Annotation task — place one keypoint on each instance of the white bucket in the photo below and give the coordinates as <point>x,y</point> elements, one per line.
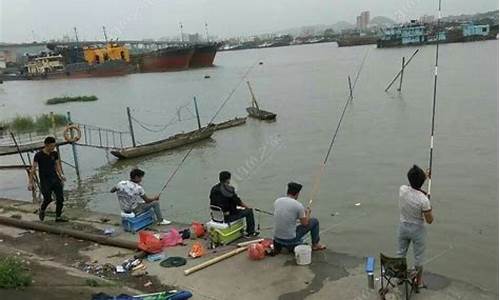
<point>303,254</point>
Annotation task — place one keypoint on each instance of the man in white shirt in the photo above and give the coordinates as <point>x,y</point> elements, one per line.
<point>132,197</point>
<point>287,211</point>
<point>415,209</point>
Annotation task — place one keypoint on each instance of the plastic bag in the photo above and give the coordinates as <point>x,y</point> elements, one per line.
<point>172,238</point>
<point>256,251</point>
<point>198,229</point>
<point>149,243</point>
<point>197,250</point>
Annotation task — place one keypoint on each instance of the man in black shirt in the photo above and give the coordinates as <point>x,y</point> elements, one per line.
<point>224,196</point>
<point>51,178</point>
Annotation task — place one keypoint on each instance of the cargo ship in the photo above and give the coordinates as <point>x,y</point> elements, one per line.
<point>163,60</point>
<point>356,40</point>
<point>204,55</point>
<point>78,62</point>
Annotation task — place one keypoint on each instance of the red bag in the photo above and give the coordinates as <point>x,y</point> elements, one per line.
<point>256,251</point>
<point>198,229</point>
<point>148,242</point>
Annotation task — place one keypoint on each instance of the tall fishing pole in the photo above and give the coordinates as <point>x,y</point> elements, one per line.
<point>315,189</point>
<point>431,148</point>
<point>211,120</point>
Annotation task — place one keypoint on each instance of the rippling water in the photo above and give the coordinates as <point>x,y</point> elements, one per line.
<point>382,135</point>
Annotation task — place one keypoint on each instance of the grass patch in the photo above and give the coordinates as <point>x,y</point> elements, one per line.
<point>40,123</point>
<point>13,274</point>
<point>59,100</point>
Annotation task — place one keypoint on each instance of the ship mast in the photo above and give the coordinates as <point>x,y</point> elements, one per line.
<point>76,35</point>
<point>105,35</point>
<point>182,34</point>
<point>206,32</point>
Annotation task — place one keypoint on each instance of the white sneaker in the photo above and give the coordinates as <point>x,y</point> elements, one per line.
<point>165,222</point>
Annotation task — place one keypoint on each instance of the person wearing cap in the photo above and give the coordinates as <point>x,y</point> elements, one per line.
<point>287,211</point>
<point>224,195</point>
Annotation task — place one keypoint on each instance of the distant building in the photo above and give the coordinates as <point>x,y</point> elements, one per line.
<point>427,19</point>
<point>363,20</point>
<point>194,38</point>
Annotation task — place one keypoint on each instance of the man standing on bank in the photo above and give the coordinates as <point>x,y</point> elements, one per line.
<point>51,176</point>
<point>287,211</point>
<point>224,196</point>
<point>415,208</point>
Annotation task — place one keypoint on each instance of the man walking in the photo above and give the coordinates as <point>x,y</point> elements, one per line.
<point>49,167</point>
<point>415,208</point>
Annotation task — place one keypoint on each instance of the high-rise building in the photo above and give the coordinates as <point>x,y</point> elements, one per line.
<point>363,20</point>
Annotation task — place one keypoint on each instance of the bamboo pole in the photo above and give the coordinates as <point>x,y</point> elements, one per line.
<point>254,101</point>
<point>104,240</point>
<point>249,242</point>
<point>400,71</point>
<point>214,260</point>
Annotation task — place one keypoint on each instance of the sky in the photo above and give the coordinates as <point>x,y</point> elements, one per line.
<point>25,20</point>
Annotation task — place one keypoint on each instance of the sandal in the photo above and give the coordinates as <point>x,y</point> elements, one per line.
<point>318,248</point>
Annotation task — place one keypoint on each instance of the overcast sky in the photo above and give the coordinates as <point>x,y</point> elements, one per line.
<point>20,20</point>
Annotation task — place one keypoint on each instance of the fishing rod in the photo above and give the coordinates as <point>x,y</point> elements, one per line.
<point>332,142</point>
<point>434,97</point>
<point>211,120</point>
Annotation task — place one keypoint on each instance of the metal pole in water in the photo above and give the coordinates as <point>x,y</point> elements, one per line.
<point>402,72</point>
<point>350,86</point>
<point>197,114</point>
<point>130,126</point>
<point>73,147</point>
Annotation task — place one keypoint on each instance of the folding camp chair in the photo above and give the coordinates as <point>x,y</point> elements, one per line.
<point>395,268</point>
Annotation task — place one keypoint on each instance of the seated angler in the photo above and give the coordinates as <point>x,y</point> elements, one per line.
<point>224,196</point>
<point>133,199</point>
<point>287,211</point>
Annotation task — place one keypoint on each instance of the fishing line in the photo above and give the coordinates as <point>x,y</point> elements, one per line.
<point>330,148</point>
<point>211,120</point>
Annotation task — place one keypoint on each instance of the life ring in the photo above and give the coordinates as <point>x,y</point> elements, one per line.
<point>68,130</point>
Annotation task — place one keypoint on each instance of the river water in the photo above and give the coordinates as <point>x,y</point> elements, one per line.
<point>381,136</point>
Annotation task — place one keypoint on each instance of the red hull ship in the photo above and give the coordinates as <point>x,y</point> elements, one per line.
<point>204,55</point>
<point>162,60</point>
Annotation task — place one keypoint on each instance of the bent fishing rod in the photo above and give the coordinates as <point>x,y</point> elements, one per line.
<point>332,142</point>
<point>434,97</point>
<point>210,122</point>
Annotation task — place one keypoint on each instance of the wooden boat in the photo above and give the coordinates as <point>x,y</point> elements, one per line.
<point>27,147</point>
<point>230,123</point>
<point>172,142</point>
<point>257,113</point>
<point>254,111</point>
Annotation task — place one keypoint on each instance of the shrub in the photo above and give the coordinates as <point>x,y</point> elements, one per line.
<point>12,273</point>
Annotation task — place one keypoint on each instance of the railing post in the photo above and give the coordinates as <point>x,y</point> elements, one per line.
<point>130,126</point>
<point>100,137</point>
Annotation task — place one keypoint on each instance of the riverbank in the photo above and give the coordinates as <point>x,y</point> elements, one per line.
<point>331,274</point>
